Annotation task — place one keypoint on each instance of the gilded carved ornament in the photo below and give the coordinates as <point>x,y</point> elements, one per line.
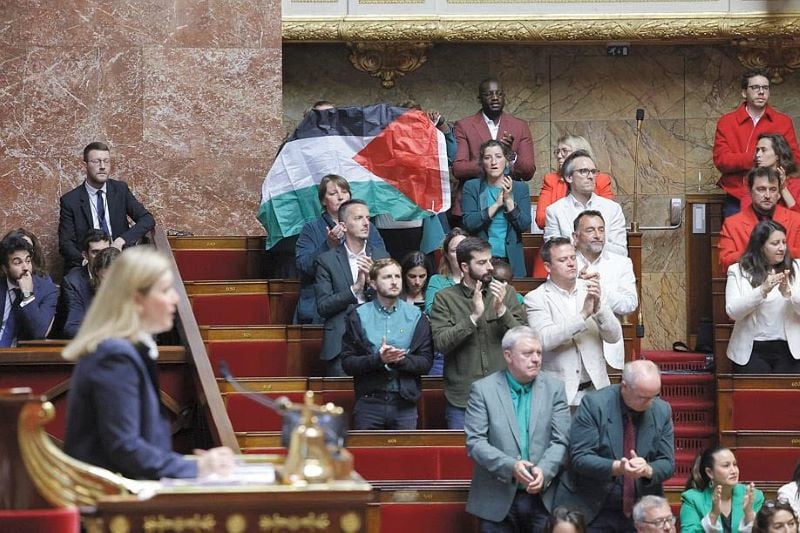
<point>674,28</point>
<point>388,60</point>
<point>778,56</point>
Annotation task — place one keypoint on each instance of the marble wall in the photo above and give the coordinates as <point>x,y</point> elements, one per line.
<point>186,92</point>
<point>558,89</point>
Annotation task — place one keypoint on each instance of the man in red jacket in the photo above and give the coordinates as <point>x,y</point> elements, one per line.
<point>737,134</point>
<point>765,193</point>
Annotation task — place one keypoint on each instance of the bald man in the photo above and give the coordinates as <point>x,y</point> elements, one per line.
<point>621,448</point>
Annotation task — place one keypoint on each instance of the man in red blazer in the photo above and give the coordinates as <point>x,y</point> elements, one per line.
<point>737,134</point>
<point>765,193</point>
<point>491,123</point>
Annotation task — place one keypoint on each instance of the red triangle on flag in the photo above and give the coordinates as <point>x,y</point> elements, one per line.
<point>406,156</point>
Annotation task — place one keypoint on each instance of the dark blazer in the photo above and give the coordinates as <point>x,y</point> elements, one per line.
<point>76,296</point>
<point>34,320</point>
<point>493,441</point>
<point>114,418</point>
<point>471,132</point>
<point>596,442</point>
<point>75,219</point>
<point>361,360</point>
<point>313,240</point>
<point>476,219</point>
<point>334,297</point>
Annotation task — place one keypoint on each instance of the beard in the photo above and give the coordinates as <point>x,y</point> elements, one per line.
<point>485,279</point>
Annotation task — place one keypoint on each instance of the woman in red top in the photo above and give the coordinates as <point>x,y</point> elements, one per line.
<point>772,151</point>
<point>554,187</point>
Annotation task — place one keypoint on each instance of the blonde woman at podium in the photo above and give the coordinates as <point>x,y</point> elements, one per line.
<point>114,417</point>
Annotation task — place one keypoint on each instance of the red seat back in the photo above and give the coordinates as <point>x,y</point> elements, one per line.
<point>247,415</point>
<point>211,264</point>
<point>251,358</point>
<point>61,520</point>
<point>231,309</point>
<point>438,517</point>
<point>765,409</point>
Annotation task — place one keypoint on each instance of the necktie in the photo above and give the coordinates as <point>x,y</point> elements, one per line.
<point>101,213</point>
<point>628,483</point>
<point>10,329</point>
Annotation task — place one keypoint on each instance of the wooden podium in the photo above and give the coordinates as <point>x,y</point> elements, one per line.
<point>335,507</point>
<point>37,474</point>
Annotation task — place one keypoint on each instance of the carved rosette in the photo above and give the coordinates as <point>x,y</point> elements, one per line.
<point>778,56</point>
<point>388,60</point>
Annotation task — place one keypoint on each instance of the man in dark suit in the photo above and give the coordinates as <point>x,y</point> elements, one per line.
<point>516,425</point>
<point>27,301</point>
<point>341,279</point>
<point>76,287</point>
<point>100,203</point>
<point>621,448</point>
<point>491,123</point>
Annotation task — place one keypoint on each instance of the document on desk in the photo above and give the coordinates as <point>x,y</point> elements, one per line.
<point>244,474</point>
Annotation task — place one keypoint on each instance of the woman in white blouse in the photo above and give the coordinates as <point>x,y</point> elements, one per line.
<point>791,491</point>
<point>763,297</point>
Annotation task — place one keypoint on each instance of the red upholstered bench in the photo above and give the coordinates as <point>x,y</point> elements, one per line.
<point>766,464</point>
<point>211,264</point>
<point>61,520</point>
<point>412,462</point>
<point>247,415</point>
<point>434,517</point>
<point>231,309</point>
<point>262,358</point>
<point>765,409</point>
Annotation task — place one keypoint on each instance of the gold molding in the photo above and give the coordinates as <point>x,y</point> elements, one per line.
<point>778,56</point>
<point>388,61</point>
<point>672,28</point>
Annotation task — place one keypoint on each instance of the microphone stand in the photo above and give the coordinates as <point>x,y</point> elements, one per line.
<point>635,221</point>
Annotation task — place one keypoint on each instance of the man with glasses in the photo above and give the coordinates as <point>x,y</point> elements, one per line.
<point>580,172</point>
<point>492,123</point>
<point>100,203</point>
<point>621,448</point>
<point>737,134</point>
<point>653,513</point>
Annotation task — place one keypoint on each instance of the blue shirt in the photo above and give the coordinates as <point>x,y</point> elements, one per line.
<point>396,325</point>
<point>498,227</point>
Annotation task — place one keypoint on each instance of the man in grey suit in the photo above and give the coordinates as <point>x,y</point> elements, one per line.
<point>621,448</point>
<point>341,280</point>
<point>516,424</point>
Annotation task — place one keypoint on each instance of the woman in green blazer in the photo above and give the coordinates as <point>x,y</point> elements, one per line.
<point>715,501</point>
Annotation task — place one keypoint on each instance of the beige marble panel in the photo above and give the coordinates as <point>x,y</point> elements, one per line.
<point>661,152</point>
<point>664,299</point>
<point>662,251</point>
<point>701,174</point>
<point>200,102</point>
<point>607,88</point>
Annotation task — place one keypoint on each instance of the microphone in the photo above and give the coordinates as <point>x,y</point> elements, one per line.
<point>635,221</point>
<point>280,404</point>
<point>333,426</point>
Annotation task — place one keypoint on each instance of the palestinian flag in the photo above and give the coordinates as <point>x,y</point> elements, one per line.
<point>393,158</point>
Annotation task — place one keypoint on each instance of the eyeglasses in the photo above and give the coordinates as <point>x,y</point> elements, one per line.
<point>660,522</point>
<point>759,88</point>
<point>771,504</point>
<point>561,151</point>
<point>586,172</point>
<point>96,162</point>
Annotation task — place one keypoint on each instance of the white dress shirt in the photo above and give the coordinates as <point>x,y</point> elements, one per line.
<point>560,220</point>
<point>93,202</point>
